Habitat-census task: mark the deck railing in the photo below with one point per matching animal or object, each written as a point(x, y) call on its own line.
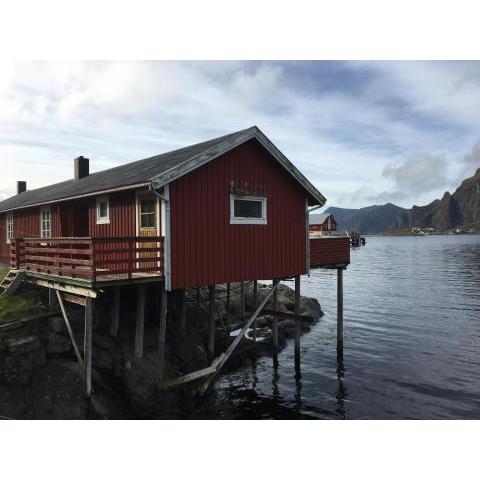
point(90, 259)
point(329, 251)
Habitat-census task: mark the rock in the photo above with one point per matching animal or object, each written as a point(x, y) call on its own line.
point(12, 403)
point(22, 345)
point(57, 392)
point(58, 344)
point(57, 325)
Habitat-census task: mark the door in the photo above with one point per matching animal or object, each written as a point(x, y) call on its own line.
point(147, 227)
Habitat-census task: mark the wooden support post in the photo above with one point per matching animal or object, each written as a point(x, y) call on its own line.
point(198, 296)
point(242, 299)
point(255, 300)
point(52, 301)
point(87, 345)
point(211, 315)
point(275, 325)
point(182, 311)
point(297, 324)
point(228, 307)
point(140, 324)
point(115, 312)
point(70, 333)
point(339, 308)
point(162, 333)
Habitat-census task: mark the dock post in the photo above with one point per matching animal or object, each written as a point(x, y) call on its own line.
point(242, 299)
point(211, 315)
point(275, 326)
point(87, 346)
point(228, 307)
point(255, 300)
point(339, 308)
point(297, 325)
point(139, 328)
point(183, 319)
point(115, 312)
point(52, 300)
point(162, 333)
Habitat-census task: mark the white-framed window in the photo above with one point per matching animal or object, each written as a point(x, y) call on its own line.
point(45, 223)
point(9, 226)
point(103, 210)
point(248, 210)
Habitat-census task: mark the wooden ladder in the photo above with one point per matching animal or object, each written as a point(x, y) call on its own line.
point(11, 282)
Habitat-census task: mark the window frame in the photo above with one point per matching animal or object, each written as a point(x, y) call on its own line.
point(248, 220)
point(9, 227)
point(98, 201)
point(49, 230)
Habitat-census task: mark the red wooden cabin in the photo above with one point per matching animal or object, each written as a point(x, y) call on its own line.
point(231, 209)
point(322, 223)
point(226, 210)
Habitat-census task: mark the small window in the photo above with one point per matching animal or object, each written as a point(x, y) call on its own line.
point(147, 213)
point(103, 210)
point(249, 210)
point(9, 227)
point(45, 223)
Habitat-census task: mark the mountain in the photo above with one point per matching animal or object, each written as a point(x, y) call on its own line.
point(463, 207)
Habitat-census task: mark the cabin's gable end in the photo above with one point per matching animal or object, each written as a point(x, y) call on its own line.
point(207, 249)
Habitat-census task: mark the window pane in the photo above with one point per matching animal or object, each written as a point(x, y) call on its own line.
point(103, 209)
point(147, 220)
point(248, 208)
point(147, 206)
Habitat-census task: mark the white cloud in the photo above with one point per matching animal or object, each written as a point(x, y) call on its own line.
point(341, 137)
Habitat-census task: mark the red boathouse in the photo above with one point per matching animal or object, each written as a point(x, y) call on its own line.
point(232, 209)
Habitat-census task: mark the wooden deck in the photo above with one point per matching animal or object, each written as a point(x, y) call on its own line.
point(90, 262)
point(329, 251)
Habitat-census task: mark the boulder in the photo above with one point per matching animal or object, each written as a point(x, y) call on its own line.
point(22, 345)
point(58, 344)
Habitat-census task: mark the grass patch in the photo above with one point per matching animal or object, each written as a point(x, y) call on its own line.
point(25, 303)
point(3, 272)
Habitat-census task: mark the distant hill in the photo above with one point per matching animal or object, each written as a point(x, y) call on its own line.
point(463, 207)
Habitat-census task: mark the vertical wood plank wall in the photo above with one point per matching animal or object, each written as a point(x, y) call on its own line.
point(207, 250)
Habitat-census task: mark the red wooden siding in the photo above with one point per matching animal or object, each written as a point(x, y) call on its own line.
point(329, 251)
point(4, 247)
point(122, 217)
point(207, 250)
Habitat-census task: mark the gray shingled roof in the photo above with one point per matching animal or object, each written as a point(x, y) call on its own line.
point(157, 171)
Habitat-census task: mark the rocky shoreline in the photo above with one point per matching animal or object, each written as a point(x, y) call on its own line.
point(40, 377)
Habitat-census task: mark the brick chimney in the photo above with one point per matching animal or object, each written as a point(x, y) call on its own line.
point(21, 187)
point(81, 167)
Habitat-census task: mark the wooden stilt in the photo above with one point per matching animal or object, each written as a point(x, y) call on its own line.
point(275, 326)
point(87, 345)
point(255, 300)
point(228, 307)
point(70, 333)
point(115, 312)
point(52, 301)
point(340, 308)
point(140, 324)
point(162, 333)
point(297, 324)
point(182, 311)
point(242, 299)
point(211, 311)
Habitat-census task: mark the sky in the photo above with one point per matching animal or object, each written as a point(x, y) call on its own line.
point(364, 133)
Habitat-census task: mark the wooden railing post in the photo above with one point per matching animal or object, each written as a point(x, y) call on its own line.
point(94, 260)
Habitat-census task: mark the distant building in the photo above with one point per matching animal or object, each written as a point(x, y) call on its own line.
point(322, 223)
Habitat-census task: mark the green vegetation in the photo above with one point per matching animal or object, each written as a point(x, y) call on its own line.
point(3, 272)
point(24, 303)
